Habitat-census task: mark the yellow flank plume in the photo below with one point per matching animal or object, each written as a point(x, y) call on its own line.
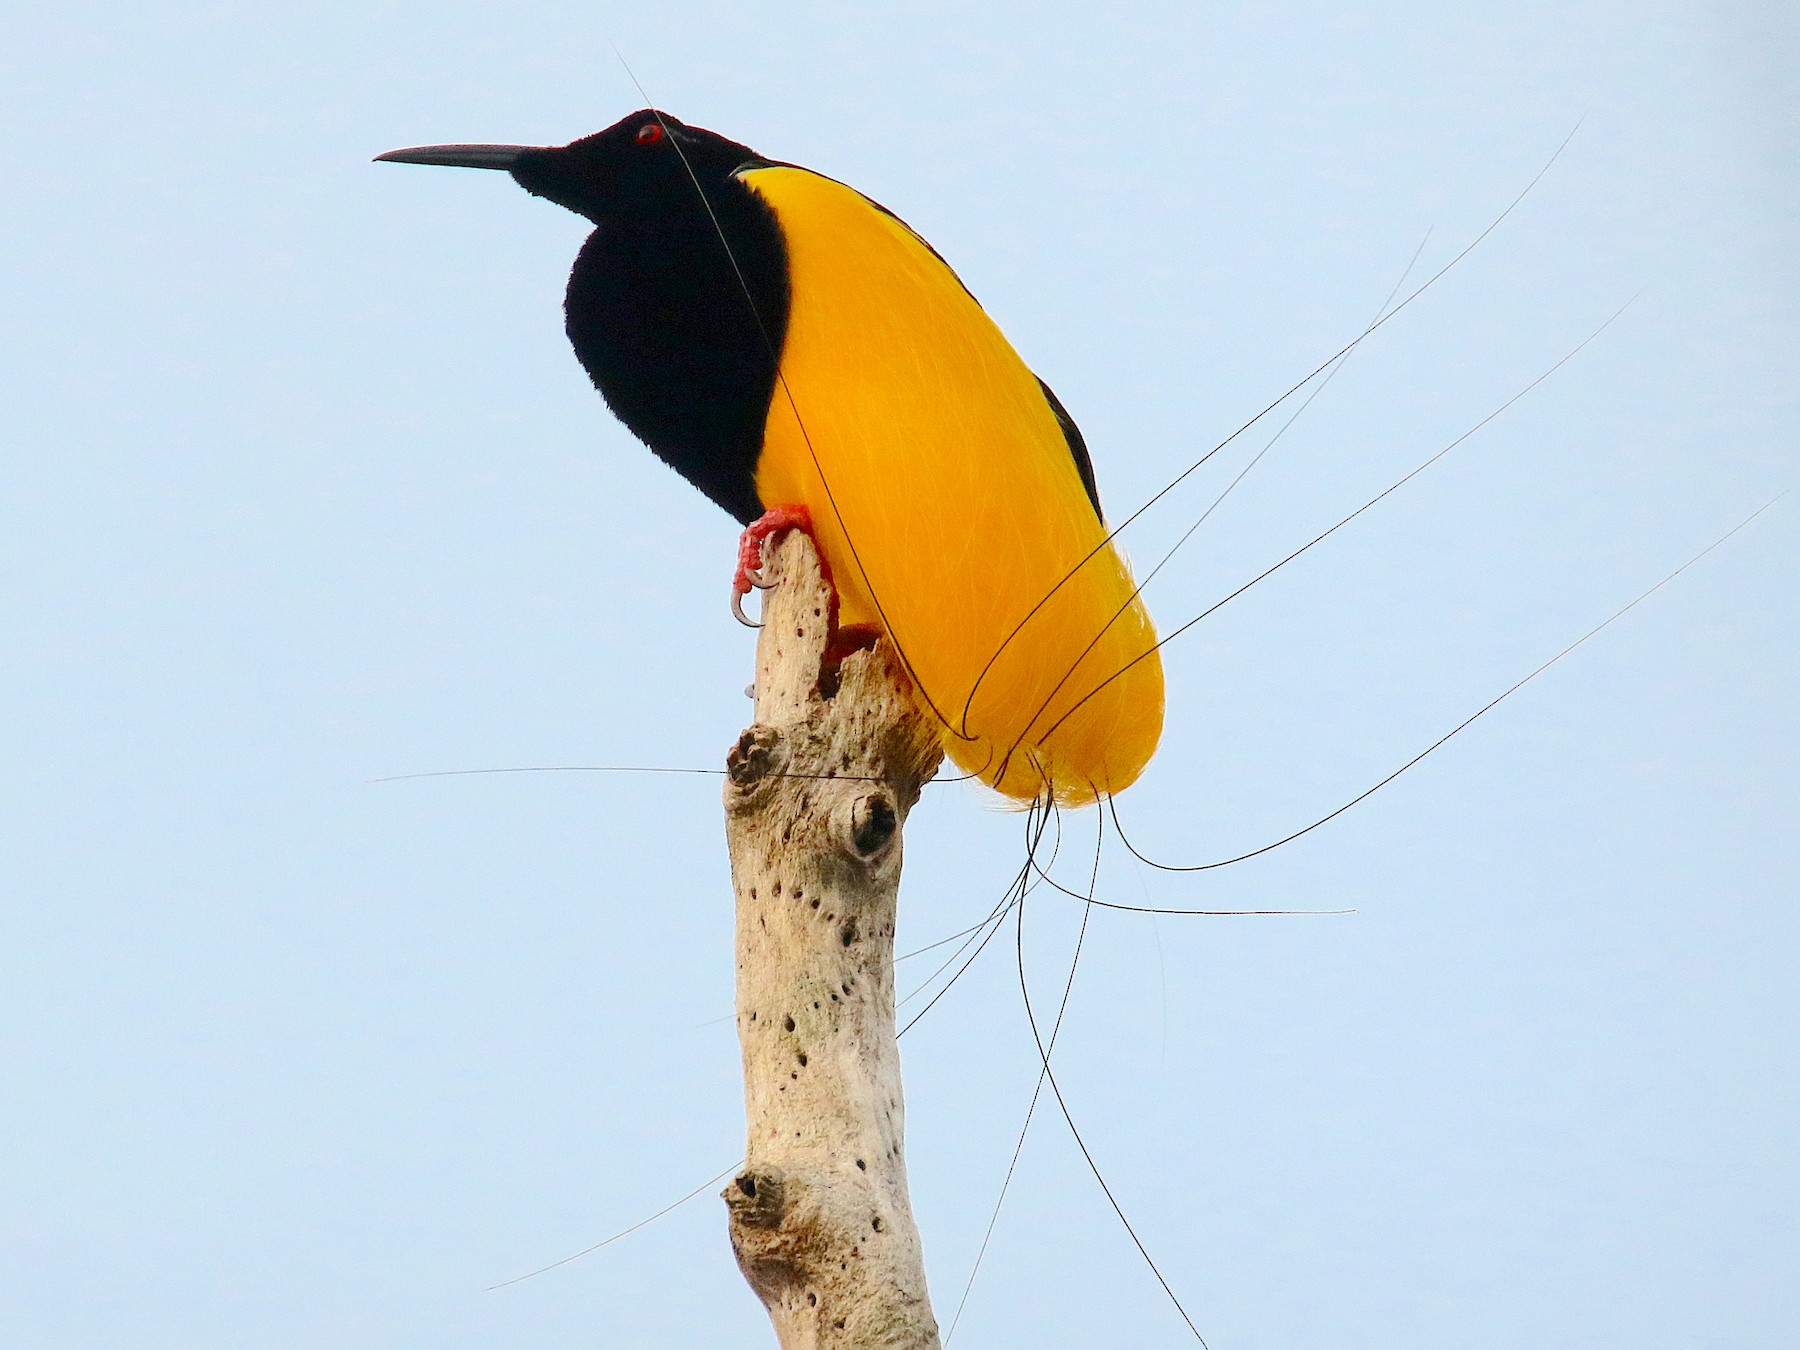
point(948, 507)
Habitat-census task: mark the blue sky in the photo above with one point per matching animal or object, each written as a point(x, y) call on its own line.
point(303, 490)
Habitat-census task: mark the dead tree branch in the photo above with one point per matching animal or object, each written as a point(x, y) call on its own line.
point(818, 790)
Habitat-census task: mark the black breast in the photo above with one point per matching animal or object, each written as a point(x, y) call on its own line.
point(678, 316)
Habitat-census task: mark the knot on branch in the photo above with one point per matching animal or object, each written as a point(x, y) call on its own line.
point(756, 1200)
point(777, 1242)
point(753, 761)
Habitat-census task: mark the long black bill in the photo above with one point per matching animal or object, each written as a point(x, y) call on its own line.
point(459, 156)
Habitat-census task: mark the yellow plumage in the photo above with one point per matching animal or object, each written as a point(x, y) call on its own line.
point(948, 506)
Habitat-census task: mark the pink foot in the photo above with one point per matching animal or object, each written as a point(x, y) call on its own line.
point(750, 550)
point(750, 543)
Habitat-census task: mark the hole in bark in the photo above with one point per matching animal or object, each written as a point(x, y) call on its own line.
point(802, 1058)
point(747, 1184)
point(848, 935)
point(861, 1166)
point(875, 1223)
point(839, 1324)
point(778, 889)
point(846, 991)
point(798, 892)
point(812, 1300)
point(787, 1023)
point(815, 904)
point(872, 823)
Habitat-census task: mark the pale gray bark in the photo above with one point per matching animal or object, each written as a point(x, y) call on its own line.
point(817, 793)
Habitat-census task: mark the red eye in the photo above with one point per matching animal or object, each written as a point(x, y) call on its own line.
point(649, 134)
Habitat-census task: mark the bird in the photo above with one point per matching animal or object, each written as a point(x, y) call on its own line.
point(805, 359)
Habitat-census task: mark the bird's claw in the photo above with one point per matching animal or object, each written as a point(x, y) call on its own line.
point(737, 610)
point(750, 562)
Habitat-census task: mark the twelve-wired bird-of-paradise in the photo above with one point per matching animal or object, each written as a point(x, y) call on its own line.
point(796, 352)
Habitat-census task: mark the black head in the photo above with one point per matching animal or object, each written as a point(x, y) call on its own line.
point(640, 165)
point(677, 304)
